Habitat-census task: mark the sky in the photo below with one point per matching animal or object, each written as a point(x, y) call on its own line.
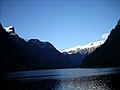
point(64, 23)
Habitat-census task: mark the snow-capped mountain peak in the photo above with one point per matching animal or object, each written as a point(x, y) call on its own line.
point(72, 49)
point(10, 30)
point(87, 46)
point(92, 44)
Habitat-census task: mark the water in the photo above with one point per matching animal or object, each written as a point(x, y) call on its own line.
point(64, 79)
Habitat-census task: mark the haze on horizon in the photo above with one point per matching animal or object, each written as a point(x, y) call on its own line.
point(64, 23)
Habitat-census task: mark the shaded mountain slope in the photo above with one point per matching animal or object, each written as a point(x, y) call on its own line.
point(12, 56)
point(108, 55)
point(17, 54)
point(44, 53)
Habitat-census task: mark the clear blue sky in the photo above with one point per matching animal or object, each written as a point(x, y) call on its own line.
point(64, 23)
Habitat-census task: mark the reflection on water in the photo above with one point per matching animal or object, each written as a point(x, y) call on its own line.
point(63, 79)
point(88, 83)
point(102, 82)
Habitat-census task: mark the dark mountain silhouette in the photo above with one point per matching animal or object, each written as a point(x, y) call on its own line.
point(17, 54)
point(108, 55)
point(43, 52)
point(76, 58)
point(12, 55)
point(47, 52)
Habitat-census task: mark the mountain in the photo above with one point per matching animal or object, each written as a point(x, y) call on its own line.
point(48, 54)
point(84, 47)
point(10, 30)
point(17, 54)
point(108, 55)
point(13, 57)
point(78, 53)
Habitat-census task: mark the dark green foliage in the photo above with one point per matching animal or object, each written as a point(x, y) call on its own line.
point(108, 55)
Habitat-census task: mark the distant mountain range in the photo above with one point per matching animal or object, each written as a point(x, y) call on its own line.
point(16, 54)
point(108, 55)
point(78, 53)
point(87, 46)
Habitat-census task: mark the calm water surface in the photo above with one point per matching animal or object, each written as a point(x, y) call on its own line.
point(64, 79)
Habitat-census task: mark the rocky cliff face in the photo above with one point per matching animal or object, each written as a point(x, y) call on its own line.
point(108, 55)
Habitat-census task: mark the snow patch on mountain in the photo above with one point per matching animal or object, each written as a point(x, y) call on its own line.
point(10, 30)
point(72, 49)
point(78, 47)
